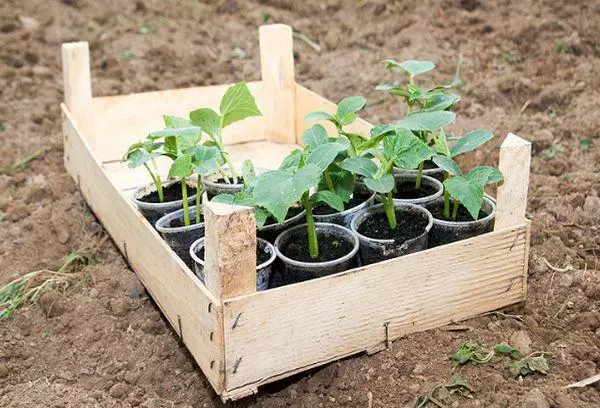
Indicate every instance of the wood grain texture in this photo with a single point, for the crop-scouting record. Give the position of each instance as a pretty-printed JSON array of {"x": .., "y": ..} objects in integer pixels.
[
  {"x": 511, "y": 199},
  {"x": 190, "y": 308},
  {"x": 277, "y": 68},
  {"x": 230, "y": 252},
  {"x": 307, "y": 101},
  {"x": 77, "y": 85},
  {"x": 122, "y": 120},
  {"x": 346, "y": 313}
]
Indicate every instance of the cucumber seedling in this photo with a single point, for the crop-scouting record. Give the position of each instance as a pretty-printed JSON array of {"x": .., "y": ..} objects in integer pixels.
[{"x": 237, "y": 104}]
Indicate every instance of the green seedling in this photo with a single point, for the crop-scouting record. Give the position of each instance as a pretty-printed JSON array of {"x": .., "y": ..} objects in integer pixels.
[
  {"x": 26, "y": 290},
  {"x": 25, "y": 161},
  {"x": 457, "y": 384},
  {"x": 534, "y": 363},
  {"x": 550, "y": 152},
  {"x": 237, "y": 104},
  {"x": 301, "y": 171},
  {"x": 586, "y": 143}
]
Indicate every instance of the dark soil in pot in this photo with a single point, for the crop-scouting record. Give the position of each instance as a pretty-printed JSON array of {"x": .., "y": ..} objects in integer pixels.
[
  {"x": 406, "y": 192},
  {"x": 272, "y": 228},
  {"x": 338, "y": 247},
  {"x": 378, "y": 241},
  {"x": 147, "y": 201},
  {"x": 179, "y": 237},
  {"x": 429, "y": 169},
  {"x": 265, "y": 257},
  {"x": 324, "y": 213},
  {"x": 445, "y": 231}
]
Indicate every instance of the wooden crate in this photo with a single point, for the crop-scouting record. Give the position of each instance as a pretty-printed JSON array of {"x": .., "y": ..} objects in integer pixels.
[{"x": 240, "y": 338}]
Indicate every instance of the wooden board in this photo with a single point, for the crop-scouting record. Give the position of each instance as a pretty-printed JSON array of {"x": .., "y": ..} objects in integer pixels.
[
  {"x": 122, "y": 120},
  {"x": 191, "y": 309},
  {"x": 346, "y": 313}
]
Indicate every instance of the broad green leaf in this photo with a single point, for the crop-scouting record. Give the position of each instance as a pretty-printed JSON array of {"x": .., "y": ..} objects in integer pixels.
[
  {"x": 349, "y": 106},
  {"x": 277, "y": 190},
  {"x": 237, "y": 104},
  {"x": 328, "y": 198},
  {"x": 382, "y": 185},
  {"x": 483, "y": 175},
  {"x": 538, "y": 364},
  {"x": 441, "y": 143},
  {"x": 342, "y": 180},
  {"x": 360, "y": 165},
  {"x": 171, "y": 145},
  {"x": 176, "y": 122},
  {"x": 181, "y": 167},
  {"x": 292, "y": 161},
  {"x": 261, "y": 216},
  {"x": 205, "y": 159},
  {"x": 405, "y": 149},
  {"x": 348, "y": 119},
  {"x": 224, "y": 199},
  {"x": 425, "y": 120},
  {"x": 387, "y": 86},
  {"x": 322, "y": 156},
  {"x": 442, "y": 101},
  {"x": 190, "y": 132},
  {"x": 140, "y": 156},
  {"x": 447, "y": 164},
  {"x": 248, "y": 172},
  {"x": 207, "y": 119},
  {"x": 342, "y": 141},
  {"x": 371, "y": 143},
  {"x": 467, "y": 192},
  {"x": 318, "y": 115},
  {"x": 509, "y": 350},
  {"x": 412, "y": 67},
  {"x": 470, "y": 141},
  {"x": 382, "y": 130},
  {"x": 355, "y": 140},
  {"x": 314, "y": 136}
]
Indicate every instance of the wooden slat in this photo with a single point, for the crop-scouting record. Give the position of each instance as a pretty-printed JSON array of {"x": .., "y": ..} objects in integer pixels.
[
  {"x": 514, "y": 163},
  {"x": 77, "y": 85},
  {"x": 230, "y": 249},
  {"x": 342, "y": 314},
  {"x": 192, "y": 311},
  {"x": 277, "y": 67},
  {"x": 307, "y": 101},
  {"x": 122, "y": 120}
]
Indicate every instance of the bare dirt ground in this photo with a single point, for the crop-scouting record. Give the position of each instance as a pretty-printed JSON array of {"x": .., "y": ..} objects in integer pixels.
[{"x": 530, "y": 67}]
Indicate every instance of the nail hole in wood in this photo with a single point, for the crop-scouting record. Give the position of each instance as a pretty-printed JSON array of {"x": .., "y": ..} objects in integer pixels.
[
  {"x": 209, "y": 307},
  {"x": 211, "y": 336},
  {"x": 236, "y": 365},
  {"x": 212, "y": 364},
  {"x": 235, "y": 322}
]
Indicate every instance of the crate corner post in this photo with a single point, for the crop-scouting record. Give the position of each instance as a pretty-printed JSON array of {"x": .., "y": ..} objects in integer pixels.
[{"x": 279, "y": 83}]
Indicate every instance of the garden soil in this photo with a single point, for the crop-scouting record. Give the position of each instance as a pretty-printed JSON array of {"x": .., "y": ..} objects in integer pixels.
[{"x": 529, "y": 67}]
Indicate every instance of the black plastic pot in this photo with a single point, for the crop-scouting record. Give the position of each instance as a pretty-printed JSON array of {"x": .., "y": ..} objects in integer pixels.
[
  {"x": 264, "y": 269},
  {"x": 444, "y": 231},
  {"x": 179, "y": 237},
  {"x": 345, "y": 217},
  {"x": 215, "y": 185},
  {"x": 270, "y": 232},
  {"x": 300, "y": 270},
  {"x": 430, "y": 169},
  {"x": 374, "y": 249},
  {"x": 429, "y": 185},
  {"x": 152, "y": 211}
]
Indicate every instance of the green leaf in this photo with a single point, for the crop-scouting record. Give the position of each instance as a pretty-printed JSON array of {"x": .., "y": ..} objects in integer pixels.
[
  {"x": 538, "y": 364},
  {"x": 181, "y": 167},
  {"x": 441, "y": 101},
  {"x": 176, "y": 122},
  {"x": 342, "y": 180},
  {"x": 412, "y": 67},
  {"x": 382, "y": 130},
  {"x": 322, "y": 156},
  {"x": 405, "y": 149},
  {"x": 314, "y": 136},
  {"x": 248, "y": 172},
  {"x": 447, "y": 164},
  {"x": 384, "y": 184},
  {"x": 348, "y": 107},
  {"x": 318, "y": 115},
  {"x": 360, "y": 165},
  {"x": 277, "y": 190},
  {"x": 237, "y": 104},
  {"x": 348, "y": 119},
  {"x": 207, "y": 119},
  {"x": 140, "y": 156},
  {"x": 205, "y": 160},
  {"x": 355, "y": 140},
  {"x": 224, "y": 199},
  {"x": 189, "y": 136},
  {"x": 483, "y": 175},
  {"x": 470, "y": 141},
  {"x": 507, "y": 349},
  {"x": 467, "y": 192},
  {"x": 425, "y": 120},
  {"x": 328, "y": 198},
  {"x": 386, "y": 86},
  {"x": 292, "y": 161}
]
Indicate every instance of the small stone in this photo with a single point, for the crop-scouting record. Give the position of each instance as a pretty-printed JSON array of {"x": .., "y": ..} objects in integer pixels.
[
  {"x": 592, "y": 207},
  {"x": 293, "y": 394},
  {"x": 94, "y": 293},
  {"x": 565, "y": 280},
  {"x": 540, "y": 265},
  {"x": 414, "y": 387},
  {"x": 521, "y": 341},
  {"x": 118, "y": 390},
  {"x": 29, "y": 23},
  {"x": 542, "y": 139},
  {"x": 535, "y": 399},
  {"x": 418, "y": 369},
  {"x": 3, "y": 371},
  {"x": 487, "y": 29}
]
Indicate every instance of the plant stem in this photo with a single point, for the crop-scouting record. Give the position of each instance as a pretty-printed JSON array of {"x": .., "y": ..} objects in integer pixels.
[
  {"x": 232, "y": 172},
  {"x": 390, "y": 211},
  {"x": 184, "y": 197},
  {"x": 329, "y": 182},
  {"x": 446, "y": 199},
  {"x": 313, "y": 244},
  {"x": 198, "y": 198},
  {"x": 455, "y": 210},
  {"x": 157, "y": 183},
  {"x": 419, "y": 175}
]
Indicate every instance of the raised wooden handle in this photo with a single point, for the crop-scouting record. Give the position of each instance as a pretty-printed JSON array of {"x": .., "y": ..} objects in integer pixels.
[
  {"x": 511, "y": 201},
  {"x": 230, "y": 250},
  {"x": 279, "y": 83},
  {"x": 77, "y": 84}
]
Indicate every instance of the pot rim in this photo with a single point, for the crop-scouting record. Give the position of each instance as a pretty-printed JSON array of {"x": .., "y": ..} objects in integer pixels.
[
  {"x": 398, "y": 170},
  {"x": 315, "y": 265},
  {"x": 199, "y": 243},
  {"x": 489, "y": 217},
  {"x": 173, "y": 230},
  {"x": 150, "y": 186},
  {"x": 376, "y": 208},
  {"x": 283, "y": 224},
  {"x": 356, "y": 208},
  {"x": 425, "y": 199}
]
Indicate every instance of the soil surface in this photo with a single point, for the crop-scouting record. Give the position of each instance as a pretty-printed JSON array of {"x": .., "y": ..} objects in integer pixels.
[
  {"x": 331, "y": 247},
  {"x": 170, "y": 193},
  {"x": 529, "y": 67},
  {"x": 408, "y": 226},
  {"x": 407, "y": 190}
]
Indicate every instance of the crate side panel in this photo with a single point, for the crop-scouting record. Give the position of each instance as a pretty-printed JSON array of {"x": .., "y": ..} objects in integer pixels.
[
  {"x": 342, "y": 314},
  {"x": 180, "y": 296},
  {"x": 308, "y": 101},
  {"x": 121, "y": 120}
]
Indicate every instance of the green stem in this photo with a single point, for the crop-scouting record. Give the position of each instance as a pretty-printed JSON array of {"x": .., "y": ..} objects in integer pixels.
[
  {"x": 329, "y": 182},
  {"x": 390, "y": 211},
  {"x": 455, "y": 210},
  {"x": 446, "y": 199},
  {"x": 198, "y": 198},
  {"x": 419, "y": 175},
  {"x": 157, "y": 183},
  {"x": 232, "y": 171},
  {"x": 184, "y": 197},
  {"x": 313, "y": 244}
]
